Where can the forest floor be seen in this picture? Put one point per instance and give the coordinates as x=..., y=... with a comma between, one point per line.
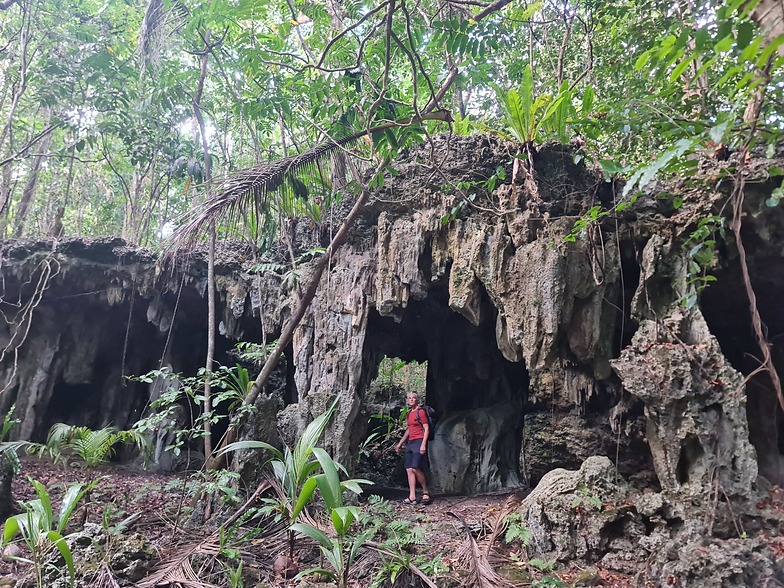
x=440, y=537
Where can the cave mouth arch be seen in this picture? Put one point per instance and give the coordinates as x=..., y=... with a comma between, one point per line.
x=478, y=394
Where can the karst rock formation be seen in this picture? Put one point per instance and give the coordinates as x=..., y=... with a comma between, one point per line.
x=547, y=343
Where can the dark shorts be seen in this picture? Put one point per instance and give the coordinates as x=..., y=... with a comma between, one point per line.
x=414, y=459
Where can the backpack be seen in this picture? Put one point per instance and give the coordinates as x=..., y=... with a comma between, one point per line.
x=432, y=419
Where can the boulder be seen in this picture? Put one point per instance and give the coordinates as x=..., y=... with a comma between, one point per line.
x=472, y=452
x=581, y=514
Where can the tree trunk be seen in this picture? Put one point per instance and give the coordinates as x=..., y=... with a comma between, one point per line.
x=28, y=194
x=207, y=408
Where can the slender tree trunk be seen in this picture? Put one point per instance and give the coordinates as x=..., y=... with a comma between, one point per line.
x=207, y=409
x=28, y=194
x=6, y=190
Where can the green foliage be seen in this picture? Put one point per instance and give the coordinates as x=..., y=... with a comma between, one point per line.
x=411, y=375
x=221, y=483
x=583, y=498
x=92, y=447
x=289, y=277
x=342, y=550
x=9, y=448
x=295, y=472
x=254, y=352
x=701, y=246
x=40, y=530
x=515, y=531
x=229, y=386
x=544, y=566
x=532, y=118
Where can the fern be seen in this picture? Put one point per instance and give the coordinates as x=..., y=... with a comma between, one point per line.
x=542, y=565
x=516, y=531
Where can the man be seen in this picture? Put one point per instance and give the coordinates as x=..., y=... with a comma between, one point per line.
x=416, y=434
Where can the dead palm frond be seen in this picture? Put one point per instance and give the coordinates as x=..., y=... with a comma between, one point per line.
x=160, y=22
x=480, y=573
x=177, y=570
x=501, y=521
x=105, y=578
x=247, y=192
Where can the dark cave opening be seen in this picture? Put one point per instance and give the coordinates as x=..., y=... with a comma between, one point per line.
x=478, y=394
x=692, y=453
x=725, y=306
x=95, y=385
x=71, y=404
x=630, y=280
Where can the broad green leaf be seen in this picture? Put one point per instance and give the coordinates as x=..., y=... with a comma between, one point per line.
x=745, y=34
x=12, y=527
x=752, y=50
x=305, y=496
x=239, y=445
x=611, y=168
x=310, y=437
x=343, y=517
x=642, y=60
x=43, y=496
x=588, y=98
x=61, y=545
x=316, y=534
x=701, y=38
x=724, y=44
x=329, y=481
x=768, y=50
x=681, y=67
x=320, y=571
x=73, y=495
x=355, y=485
x=717, y=132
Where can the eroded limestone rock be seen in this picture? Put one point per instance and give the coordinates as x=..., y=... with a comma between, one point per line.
x=694, y=400
x=581, y=514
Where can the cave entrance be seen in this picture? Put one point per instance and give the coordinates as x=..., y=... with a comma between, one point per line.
x=735, y=334
x=477, y=394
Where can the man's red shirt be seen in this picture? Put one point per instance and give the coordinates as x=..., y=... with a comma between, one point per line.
x=416, y=430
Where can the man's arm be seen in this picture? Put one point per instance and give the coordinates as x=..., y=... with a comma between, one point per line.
x=403, y=439
x=423, y=447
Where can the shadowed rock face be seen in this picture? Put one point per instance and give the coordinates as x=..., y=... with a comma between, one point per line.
x=538, y=346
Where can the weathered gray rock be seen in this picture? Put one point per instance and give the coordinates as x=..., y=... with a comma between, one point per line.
x=472, y=452
x=581, y=514
x=697, y=428
x=729, y=563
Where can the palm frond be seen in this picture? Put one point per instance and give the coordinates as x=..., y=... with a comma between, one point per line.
x=159, y=22
x=105, y=578
x=501, y=522
x=481, y=573
x=176, y=569
x=94, y=447
x=248, y=191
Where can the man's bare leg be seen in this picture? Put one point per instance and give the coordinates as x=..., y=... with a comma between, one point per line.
x=412, y=480
x=420, y=477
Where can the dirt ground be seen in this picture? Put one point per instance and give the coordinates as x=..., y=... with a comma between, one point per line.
x=438, y=535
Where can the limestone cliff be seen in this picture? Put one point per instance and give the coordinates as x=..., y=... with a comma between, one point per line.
x=544, y=346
